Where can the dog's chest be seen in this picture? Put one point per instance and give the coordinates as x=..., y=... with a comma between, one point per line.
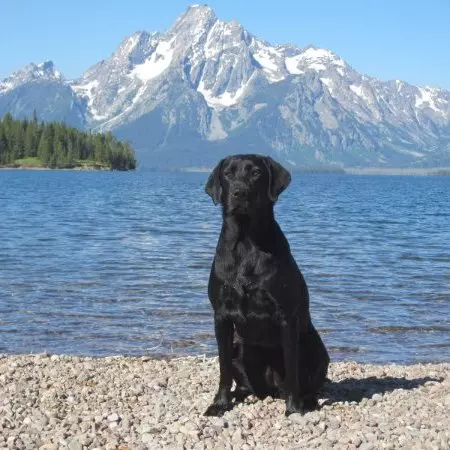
x=245, y=268
x=246, y=299
x=255, y=315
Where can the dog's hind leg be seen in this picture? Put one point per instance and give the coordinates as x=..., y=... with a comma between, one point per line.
x=313, y=367
x=252, y=371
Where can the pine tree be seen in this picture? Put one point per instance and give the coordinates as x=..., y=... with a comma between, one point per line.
x=45, y=148
x=31, y=140
x=70, y=161
x=7, y=122
x=18, y=139
x=3, y=144
x=53, y=161
x=59, y=155
x=2, y=151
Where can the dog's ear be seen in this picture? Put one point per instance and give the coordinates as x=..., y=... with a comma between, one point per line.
x=213, y=186
x=279, y=178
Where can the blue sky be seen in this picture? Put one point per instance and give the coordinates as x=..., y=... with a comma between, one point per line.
x=397, y=39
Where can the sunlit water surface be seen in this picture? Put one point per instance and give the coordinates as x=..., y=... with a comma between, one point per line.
x=101, y=263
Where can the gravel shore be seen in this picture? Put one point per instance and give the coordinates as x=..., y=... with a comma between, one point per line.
x=59, y=402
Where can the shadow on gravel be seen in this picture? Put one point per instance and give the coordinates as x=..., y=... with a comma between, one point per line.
x=356, y=389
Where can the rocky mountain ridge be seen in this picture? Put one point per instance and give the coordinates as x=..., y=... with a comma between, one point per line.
x=206, y=88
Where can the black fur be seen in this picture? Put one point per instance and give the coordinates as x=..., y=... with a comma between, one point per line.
x=267, y=343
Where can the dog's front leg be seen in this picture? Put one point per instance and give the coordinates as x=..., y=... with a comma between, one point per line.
x=290, y=343
x=224, y=336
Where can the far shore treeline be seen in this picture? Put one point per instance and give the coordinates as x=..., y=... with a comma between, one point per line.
x=28, y=143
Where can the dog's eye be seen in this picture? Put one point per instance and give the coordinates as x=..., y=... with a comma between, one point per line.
x=228, y=173
x=256, y=172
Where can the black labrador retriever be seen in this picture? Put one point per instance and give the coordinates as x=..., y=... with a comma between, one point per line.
x=267, y=343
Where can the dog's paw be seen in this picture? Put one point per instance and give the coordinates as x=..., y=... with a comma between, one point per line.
x=310, y=404
x=217, y=409
x=241, y=393
x=294, y=410
x=302, y=406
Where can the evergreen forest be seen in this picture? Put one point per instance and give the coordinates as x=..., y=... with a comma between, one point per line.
x=30, y=144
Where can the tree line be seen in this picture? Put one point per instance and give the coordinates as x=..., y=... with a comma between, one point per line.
x=57, y=145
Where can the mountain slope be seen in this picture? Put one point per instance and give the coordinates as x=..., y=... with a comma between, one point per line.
x=207, y=88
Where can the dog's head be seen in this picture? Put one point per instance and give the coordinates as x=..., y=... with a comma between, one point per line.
x=246, y=183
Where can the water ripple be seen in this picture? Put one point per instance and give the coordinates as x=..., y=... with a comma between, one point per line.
x=108, y=263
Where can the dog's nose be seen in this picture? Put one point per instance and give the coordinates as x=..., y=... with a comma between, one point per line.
x=239, y=194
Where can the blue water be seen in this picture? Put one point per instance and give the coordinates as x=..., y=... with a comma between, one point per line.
x=102, y=263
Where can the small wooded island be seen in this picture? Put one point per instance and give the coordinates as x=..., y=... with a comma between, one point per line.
x=30, y=145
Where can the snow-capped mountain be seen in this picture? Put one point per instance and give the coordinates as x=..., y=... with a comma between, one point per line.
x=41, y=87
x=30, y=73
x=206, y=88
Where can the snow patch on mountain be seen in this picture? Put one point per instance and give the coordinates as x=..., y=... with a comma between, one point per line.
x=87, y=91
x=359, y=91
x=426, y=99
x=6, y=86
x=320, y=54
x=317, y=59
x=328, y=82
x=259, y=106
x=224, y=100
x=112, y=121
x=292, y=65
x=317, y=66
x=216, y=131
x=269, y=58
x=158, y=62
x=411, y=152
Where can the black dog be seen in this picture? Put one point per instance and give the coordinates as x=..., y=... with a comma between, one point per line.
x=266, y=340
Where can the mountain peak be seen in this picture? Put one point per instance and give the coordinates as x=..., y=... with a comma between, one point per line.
x=197, y=12
x=47, y=69
x=134, y=47
x=44, y=71
x=46, y=65
x=130, y=41
x=197, y=18
x=202, y=9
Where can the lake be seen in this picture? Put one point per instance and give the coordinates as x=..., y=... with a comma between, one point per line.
x=106, y=263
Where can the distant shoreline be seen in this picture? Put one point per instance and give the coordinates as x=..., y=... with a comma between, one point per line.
x=351, y=171
x=77, y=168
x=434, y=171
x=405, y=171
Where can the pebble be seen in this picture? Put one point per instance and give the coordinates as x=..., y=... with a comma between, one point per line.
x=48, y=446
x=366, y=446
x=297, y=418
x=74, y=444
x=113, y=417
x=81, y=403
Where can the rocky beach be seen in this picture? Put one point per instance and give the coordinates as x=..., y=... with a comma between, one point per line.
x=63, y=402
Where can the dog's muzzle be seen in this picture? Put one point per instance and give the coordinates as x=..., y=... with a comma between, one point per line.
x=239, y=194
x=239, y=200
